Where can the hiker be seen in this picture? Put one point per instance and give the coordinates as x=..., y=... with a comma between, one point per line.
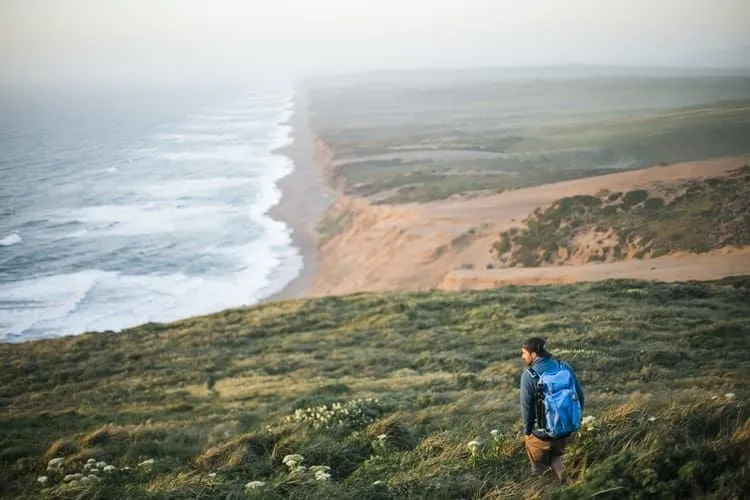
x=551, y=407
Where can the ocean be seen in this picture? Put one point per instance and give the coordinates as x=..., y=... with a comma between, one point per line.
x=122, y=207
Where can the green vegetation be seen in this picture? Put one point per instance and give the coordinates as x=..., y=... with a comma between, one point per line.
x=413, y=140
x=706, y=215
x=377, y=396
x=334, y=221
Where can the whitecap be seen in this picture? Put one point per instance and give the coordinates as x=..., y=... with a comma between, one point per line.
x=182, y=188
x=190, y=138
x=77, y=234
x=152, y=218
x=230, y=153
x=36, y=301
x=96, y=300
x=11, y=239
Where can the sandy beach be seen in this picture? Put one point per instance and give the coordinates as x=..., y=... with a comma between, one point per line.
x=305, y=198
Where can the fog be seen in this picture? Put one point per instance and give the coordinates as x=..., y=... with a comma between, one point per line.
x=115, y=41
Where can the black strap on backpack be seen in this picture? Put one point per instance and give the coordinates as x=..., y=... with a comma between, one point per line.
x=539, y=409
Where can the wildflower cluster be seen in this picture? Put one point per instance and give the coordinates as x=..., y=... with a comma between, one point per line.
x=588, y=423
x=356, y=413
x=317, y=472
x=474, y=447
x=146, y=465
x=93, y=472
x=253, y=485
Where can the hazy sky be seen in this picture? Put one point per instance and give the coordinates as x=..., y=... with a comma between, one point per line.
x=152, y=40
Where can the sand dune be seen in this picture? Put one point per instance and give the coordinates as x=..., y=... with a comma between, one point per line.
x=446, y=244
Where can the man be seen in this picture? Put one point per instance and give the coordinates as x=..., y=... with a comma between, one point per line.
x=544, y=451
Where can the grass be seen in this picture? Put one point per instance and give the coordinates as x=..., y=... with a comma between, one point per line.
x=701, y=215
x=386, y=390
x=502, y=133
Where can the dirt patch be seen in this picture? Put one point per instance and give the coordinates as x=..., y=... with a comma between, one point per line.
x=411, y=247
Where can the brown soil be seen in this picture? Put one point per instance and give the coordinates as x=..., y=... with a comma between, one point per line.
x=446, y=244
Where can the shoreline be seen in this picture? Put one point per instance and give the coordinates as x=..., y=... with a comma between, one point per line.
x=304, y=199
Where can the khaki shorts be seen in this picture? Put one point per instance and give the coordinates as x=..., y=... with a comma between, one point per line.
x=541, y=452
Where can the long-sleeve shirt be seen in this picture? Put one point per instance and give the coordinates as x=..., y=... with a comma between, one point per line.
x=528, y=390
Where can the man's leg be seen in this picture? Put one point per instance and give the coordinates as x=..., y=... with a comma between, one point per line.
x=557, y=465
x=557, y=449
x=538, y=451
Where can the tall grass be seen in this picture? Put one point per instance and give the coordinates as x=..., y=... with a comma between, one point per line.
x=384, y=393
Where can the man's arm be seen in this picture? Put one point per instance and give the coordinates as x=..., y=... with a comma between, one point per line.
x=528, y=410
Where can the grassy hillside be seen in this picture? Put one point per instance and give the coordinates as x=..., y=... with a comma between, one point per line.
x=419, y=141
x=387, y=391
x=694, y=216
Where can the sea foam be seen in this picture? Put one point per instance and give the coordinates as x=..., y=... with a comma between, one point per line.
x=182, y=230
x=11, y=239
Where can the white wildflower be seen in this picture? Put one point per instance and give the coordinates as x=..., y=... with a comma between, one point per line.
x=101, y=465
x=495, y=433
x=292, y=461
x=300, y=469
x=72, y=477
x=94, y=470
x=588, y=423
x=474, y=446
x=91, y=461
x=126, y=468
x=146, y=463
x=381, y=437
x=92, y=477
x=730, y=395
x=212, y=475
x=254, y=484
x=55, y=463
x=319, y=468
x=651, y=419
x=378, y=483
x=109, y=468
x=41, y=479
x=322, y=476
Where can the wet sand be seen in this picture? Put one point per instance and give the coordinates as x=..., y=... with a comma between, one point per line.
x=304, y=199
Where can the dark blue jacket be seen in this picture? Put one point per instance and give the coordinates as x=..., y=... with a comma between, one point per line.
x=528, y=390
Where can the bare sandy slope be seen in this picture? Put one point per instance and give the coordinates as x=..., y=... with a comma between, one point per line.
x=446, y=244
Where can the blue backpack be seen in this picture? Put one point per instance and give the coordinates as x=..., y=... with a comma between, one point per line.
x=558, y=410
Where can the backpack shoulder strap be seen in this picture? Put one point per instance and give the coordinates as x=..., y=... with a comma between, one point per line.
x=534, y=374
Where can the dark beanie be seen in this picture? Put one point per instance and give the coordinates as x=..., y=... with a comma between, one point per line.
x=535, y=344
